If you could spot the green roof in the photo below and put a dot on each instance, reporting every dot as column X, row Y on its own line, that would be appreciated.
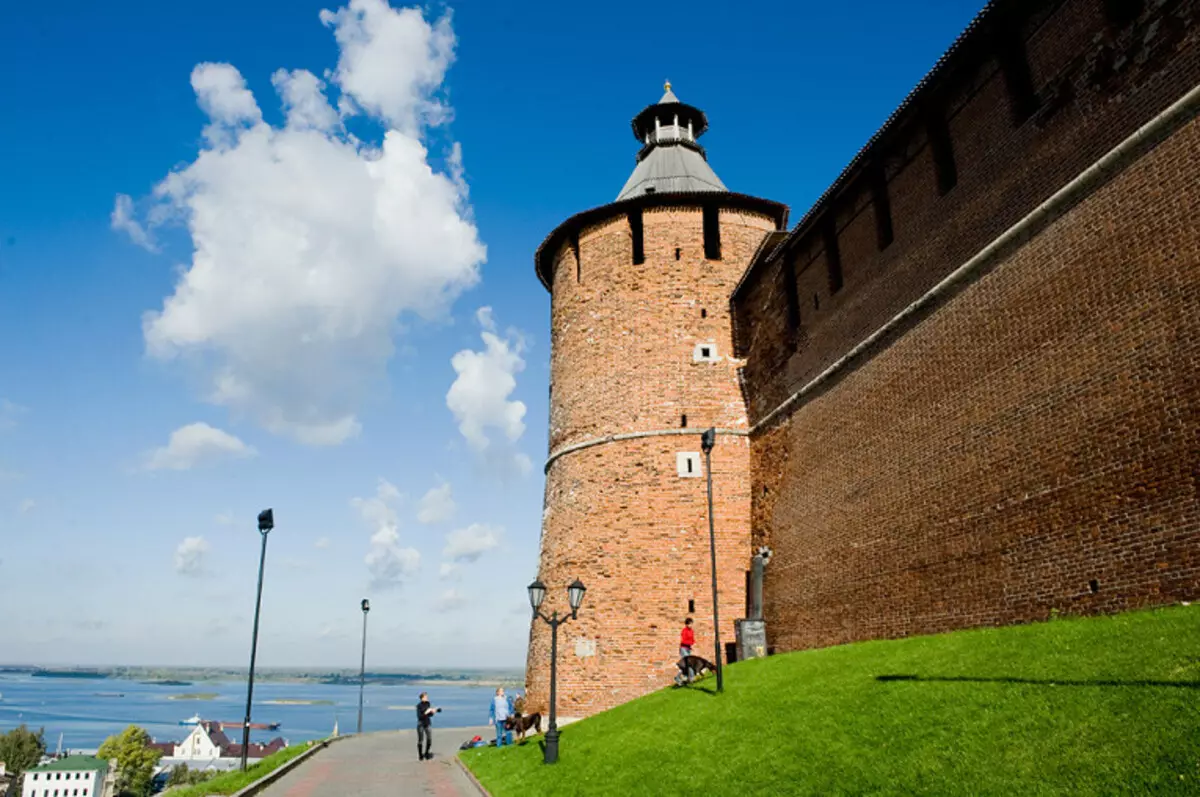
column 73, row 763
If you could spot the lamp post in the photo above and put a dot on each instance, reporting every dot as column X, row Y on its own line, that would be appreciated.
column 362, row 670
column 707, row 441
column 266, row 522
column 537, row 593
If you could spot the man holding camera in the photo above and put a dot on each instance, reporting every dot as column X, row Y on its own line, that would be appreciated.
column 425, row 712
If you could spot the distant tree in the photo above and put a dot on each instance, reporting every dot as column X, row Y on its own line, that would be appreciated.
column 182, row 776
column 135, row 760
column 21, row 749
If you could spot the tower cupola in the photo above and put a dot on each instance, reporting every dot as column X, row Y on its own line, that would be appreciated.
column 670, row 160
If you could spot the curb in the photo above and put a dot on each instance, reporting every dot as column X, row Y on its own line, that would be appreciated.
column 275, row 774
column 471, row 776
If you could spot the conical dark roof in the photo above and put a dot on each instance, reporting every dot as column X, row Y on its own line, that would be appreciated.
column 671, row 161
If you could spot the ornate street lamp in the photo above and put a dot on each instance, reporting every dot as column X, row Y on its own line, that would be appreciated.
column 707, row 441
column 266, row 522
column 362, row 671
column 537, row 594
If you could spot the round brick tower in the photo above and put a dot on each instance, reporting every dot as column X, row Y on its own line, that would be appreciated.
column 641, row 341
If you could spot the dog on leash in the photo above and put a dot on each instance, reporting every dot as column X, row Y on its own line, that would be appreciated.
column 692, row 666
column 522, row 723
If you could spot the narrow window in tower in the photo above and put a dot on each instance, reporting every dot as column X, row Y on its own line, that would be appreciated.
column 635, row 232
column 683, row 421
column 691, row 605
column 712, row 233
column 816, row 302
column 578, row 262
column 703, row 313
column 678, row 253
column 705, row 353
column 833, row 257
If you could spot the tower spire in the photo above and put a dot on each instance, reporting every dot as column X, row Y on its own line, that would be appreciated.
column 670, row 161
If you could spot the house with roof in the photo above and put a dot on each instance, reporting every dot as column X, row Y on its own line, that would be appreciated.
column 208, row 748
column 71, row 776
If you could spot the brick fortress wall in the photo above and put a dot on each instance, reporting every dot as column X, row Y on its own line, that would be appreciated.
column 1033, row 443
column 618, row 515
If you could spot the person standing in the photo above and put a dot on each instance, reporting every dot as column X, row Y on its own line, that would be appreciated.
column 498, row 712
column 425, row 712
column 687, row 640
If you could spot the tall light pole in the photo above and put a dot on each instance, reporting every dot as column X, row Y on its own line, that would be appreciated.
column 266, row 522
column 707, row 441
column 362, row 670
column 537, row 593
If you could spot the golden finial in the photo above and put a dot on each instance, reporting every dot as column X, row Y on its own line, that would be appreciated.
column 667, row 86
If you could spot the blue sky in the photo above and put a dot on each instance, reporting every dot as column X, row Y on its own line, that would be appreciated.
column 332, row 310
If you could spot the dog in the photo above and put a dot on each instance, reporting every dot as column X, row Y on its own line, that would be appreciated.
column 696, row 664
column 522, row 723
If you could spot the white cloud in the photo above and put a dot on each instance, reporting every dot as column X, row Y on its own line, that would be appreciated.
column 479, row 395
column 197, row 444
column 322, row 543
column 26, row 506
column 189, row 556
column 437, row 505
column 392, row 62
column 309, row 244
column 449, row 571
column 122, row 220
column 9, row 413
column 450, row 600
column 303, row 97
column 225, row 519
column 467, row 545
column 387, row 562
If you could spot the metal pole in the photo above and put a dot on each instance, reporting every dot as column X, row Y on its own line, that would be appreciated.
column 551, row 756
column 362, row 673
column 262, row 558
column 712, row 542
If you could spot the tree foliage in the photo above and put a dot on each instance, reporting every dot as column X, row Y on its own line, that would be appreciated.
column 182, row 776
column 135, row 760
column 21, row 749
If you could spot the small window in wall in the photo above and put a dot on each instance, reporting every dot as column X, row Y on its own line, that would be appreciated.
column 635, row 232
column 678, row 253
column 712, row 233
column 683, row 421
column 705, row 353
column 816, row 302
column 691, row 605
column 687, row 463
column 703, row 313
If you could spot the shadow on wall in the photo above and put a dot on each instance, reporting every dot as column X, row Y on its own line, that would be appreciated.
column 1036, row 681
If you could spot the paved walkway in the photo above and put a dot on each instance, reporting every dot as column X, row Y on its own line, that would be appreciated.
column 382, row 765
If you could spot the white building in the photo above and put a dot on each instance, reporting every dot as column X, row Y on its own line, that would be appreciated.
column 73, row 776
column 204, row 743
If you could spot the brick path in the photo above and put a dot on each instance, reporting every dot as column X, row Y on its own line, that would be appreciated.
column 382, row 765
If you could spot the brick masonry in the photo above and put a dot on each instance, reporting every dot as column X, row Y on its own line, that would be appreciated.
column 618, row 515
column 1028, row 444
column 1033, row 445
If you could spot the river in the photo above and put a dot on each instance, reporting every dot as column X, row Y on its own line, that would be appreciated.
column 86, row 711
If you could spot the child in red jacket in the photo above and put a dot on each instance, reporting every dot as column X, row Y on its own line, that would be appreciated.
column 687, row 638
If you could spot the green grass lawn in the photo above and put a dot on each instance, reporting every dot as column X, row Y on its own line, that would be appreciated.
column 1104, row 705
column 229, row 782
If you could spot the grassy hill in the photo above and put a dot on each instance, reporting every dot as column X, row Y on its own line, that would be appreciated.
column 1104, row 705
